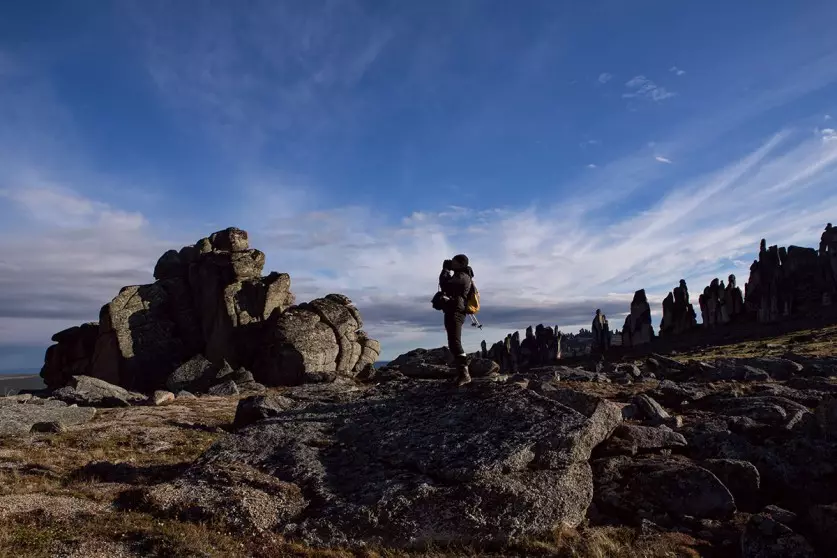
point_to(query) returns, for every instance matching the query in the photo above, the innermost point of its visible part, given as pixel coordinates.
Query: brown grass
(36, 536)
(810, 343)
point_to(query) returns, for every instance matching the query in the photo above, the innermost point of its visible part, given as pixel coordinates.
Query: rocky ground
(723, 451)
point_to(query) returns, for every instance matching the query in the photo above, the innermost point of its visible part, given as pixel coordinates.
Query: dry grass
(138, 534)
(810, 343)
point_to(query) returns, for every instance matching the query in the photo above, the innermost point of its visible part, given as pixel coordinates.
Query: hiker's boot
(462, 377)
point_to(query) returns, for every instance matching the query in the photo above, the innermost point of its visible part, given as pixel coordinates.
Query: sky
(576, 152)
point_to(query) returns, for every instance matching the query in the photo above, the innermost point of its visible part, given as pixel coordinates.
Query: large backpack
(472, 299)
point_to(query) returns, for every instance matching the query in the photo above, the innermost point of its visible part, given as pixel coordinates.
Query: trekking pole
(475, 322)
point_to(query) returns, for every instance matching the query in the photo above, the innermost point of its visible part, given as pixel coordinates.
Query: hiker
(455, 283)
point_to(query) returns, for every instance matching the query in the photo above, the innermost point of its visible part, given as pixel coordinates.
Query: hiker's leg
(460, 357)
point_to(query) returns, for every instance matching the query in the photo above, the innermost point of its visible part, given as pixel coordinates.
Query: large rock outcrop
(637, 329)
(792, 281)
(402, 464)
(540, 346)
(211, 299)
(678, 313)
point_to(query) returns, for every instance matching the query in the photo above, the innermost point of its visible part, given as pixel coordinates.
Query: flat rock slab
(407, 464)
(17, 418)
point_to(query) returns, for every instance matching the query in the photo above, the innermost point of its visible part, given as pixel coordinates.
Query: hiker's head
(598, 311)
(460, 261)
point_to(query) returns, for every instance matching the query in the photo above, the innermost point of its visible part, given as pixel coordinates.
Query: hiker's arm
(456, 284)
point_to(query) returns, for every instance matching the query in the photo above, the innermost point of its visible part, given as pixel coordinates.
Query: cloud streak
(642, 87)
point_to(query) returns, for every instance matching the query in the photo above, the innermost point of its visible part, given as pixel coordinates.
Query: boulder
(18, 418)
(437, 364)
(632, 439)
(741, 477)
(319, 336)
(224, 389)
(652, 410)
(676, 394)
(406, 464)
(161, 397)
(196, 374)
(660, 485)
(766, 409)
(251, 410)
(71, 355)
(85, 391)
(764, 537)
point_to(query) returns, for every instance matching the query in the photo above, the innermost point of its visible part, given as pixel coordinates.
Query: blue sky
(575, 151)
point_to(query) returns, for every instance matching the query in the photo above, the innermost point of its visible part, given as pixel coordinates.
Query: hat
(461, 259)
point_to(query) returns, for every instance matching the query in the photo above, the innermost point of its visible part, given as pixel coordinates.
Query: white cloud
(662, 159)
(552, 265)
(591, 166)
(827, 117)
(677, 71)
(828, 134)
(605, 77)
(643, 87)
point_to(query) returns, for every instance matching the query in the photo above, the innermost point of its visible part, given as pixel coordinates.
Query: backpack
(439, 300)
(472, 299)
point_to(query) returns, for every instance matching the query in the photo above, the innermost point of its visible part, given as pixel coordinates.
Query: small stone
(161, 397)
(183, 394)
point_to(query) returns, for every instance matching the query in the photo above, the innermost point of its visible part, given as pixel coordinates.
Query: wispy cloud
(827, 117)
(553, 265)
(307, 67)
(605, 77)
(643, 87)
(828, 134)
(591, 166)
(662, 159)
(677, 71)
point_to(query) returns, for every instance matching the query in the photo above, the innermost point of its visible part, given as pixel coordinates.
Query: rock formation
(678, 313)
(601, 333)
(793, 281)
(580, 343)
(720, 305)
(210, 299)
(541, 346)
(637, 329)
(828, 258)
